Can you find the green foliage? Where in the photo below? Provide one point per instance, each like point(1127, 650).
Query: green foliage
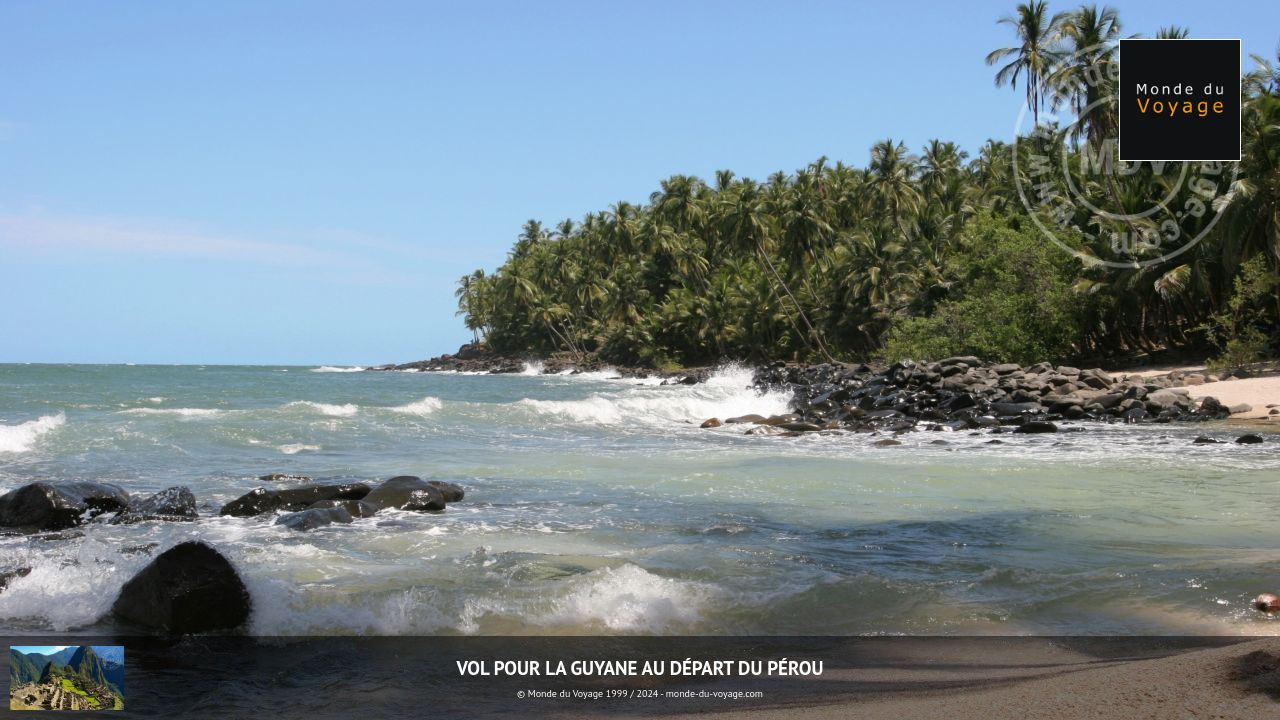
point(1016, 302)
point(836, 261)
point(1233, 330)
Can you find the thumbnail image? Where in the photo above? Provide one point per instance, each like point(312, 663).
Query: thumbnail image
point(71, 677)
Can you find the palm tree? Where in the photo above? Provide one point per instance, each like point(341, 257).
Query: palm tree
point(1035, 54)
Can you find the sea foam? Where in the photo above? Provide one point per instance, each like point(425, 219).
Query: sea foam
point(21, 437)
point(332, 369)
point(326, 408)
point(423, 407)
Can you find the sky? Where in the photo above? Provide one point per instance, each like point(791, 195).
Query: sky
point(41, 649)
point(303, 182)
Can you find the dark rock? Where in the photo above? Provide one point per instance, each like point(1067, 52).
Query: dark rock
point(711, 423)
point(1250, 439)
point(406, 492)
point(283, 477)
point(189, 588)
point(261, 500)
point(315, 517)
point(752, 418)
point(452, 492)
point(173, 504)
point(1006, 368)
point(800, 426)
point(1004, 408)
point(54, 506)
point(356, 508)
point(1036, 426)
point(9, 574)
point(1205, 440)
point(887, 442)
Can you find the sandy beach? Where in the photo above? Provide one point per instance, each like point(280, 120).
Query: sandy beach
point(1053, 680)
point(1262, 394)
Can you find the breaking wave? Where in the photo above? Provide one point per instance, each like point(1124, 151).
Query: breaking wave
point(728, 392)
point(21, 437)
point(332, 369)
point(326, 408)
point(423, 407)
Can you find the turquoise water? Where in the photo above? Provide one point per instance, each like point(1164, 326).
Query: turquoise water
point(596, 505)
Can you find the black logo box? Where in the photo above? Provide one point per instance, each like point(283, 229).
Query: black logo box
point(1179, 63)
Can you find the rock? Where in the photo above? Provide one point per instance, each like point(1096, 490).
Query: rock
point(1036, 426)
point(969, 360)
point(357, 508)
point(452, 492)
point(1250, 439)
point(752, 418)
point(887, 442)
point(406, 492)
point(189, 588)
point(711, 423)
point(1240, 408)
point(800, 426)
point(1004, 408)
point(315, 517)
point(283, 477)
point(175, 504)
point(9, 574)
point(1204, 440)
point(1267, 602)
point(54, 506)
point(780, 419)
point(261, 500)
point(1006, 368)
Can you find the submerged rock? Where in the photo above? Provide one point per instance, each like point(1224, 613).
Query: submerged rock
point(189, 588)
point(1036, 427)
point(173, 504)
point(357, 508)
point(315, 517)
point(54, 506)
point(283, 477)
point(406, 492)
point(1250, 439)
point(10, 574)
point(262, 500)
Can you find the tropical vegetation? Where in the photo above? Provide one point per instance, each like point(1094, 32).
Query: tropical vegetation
point(925, 254)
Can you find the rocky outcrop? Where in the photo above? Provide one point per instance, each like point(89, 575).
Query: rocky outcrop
point(961, 393)
point(189, 588)
point(479, 358)
point(175, 504)
point(262, 500)
point(55, 506)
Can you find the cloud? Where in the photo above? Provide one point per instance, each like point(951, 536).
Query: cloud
point(43, 234)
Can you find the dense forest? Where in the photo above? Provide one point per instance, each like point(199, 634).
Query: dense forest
point(924, 255)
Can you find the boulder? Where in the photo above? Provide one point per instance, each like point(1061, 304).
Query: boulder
point(887, 442)
point(406, 492)
point(711, 423)
point(752, 418)
point(55, 506)
point(1250, 439)
point(313, 518)
point(1204, 440)
point(800, 426)
point(1011, 408)
point(173, 504)
point(189, 588)
point(1240, 408)
point(452, 492)
point(262, 500)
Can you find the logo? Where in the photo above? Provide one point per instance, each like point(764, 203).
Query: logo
point(1084, 198)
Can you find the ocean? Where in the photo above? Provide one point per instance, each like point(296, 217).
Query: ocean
point(596, 506)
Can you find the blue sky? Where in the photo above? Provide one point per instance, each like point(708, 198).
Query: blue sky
point(302, 182)
point(41, 649)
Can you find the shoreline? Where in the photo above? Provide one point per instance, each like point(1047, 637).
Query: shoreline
point(958, 393)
